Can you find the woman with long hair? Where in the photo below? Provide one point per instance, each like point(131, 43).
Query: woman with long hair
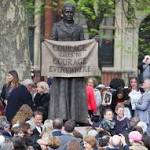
point(15, 95)
point(134, 93)
point(12, 81)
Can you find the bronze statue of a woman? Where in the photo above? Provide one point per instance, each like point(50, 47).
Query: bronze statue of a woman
point(68, 100)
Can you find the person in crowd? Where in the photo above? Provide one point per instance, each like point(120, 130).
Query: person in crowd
point(98, 97)
point(7, 130)
point(19, 96)
point(117, 142)
point(146, 141)
point(121, 122)
point(19, 143)
point(41, 99)
point(90, 143)
point(73, 145)
point(29, 84)
point(135, 139)
point(108, 122)
point(143, 105)
point(122, 98)
point(92, 132)
point(54, 143)
point(103, 139)
point(17, 131)
point(5, 127)
point(79, 136)
point(143, 126)
point(91, 101)
point(23, 114)
point(144, 68)
point(133, 122)
point(36, 125)
point(116, 85)
point(34, 91)
point(5, 143)
point(44, 141)
point(106, 96)
point(28, 132)
point(102, 89)
point(134, 93)
point(48, 126)
point(12, 82)
point(57, 127)
point(68, 133)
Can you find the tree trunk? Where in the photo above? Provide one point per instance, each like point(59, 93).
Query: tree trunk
point(14, 49)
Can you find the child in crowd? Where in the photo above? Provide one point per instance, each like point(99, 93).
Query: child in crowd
point(17, 131)
point(108, 123)
point(122, 123)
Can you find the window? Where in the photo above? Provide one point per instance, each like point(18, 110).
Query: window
point(106, 46)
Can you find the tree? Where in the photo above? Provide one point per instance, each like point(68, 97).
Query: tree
point(144, 38)
point(14, 53)
point(94, 11)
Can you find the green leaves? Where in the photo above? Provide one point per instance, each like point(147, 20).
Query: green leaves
point(144, 38)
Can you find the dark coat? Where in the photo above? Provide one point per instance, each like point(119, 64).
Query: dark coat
point(6, 91)
point(121, 126)
point(41, 102)
point(17, 98)
point(36, 135)
point(61, 32)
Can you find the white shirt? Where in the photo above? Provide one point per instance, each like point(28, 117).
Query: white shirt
point(39, 129)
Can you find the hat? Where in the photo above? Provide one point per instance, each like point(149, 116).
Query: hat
point(135, 136)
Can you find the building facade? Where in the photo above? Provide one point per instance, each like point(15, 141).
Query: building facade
point(118, 55)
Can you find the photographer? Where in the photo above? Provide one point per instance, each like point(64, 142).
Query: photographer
point(144, 68)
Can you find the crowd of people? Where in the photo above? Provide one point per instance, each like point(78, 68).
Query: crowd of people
point(119, 117)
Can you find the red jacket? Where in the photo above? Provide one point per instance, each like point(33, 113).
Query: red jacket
point(91, 101)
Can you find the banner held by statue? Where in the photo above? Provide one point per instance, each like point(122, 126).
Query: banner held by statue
point(70, 59)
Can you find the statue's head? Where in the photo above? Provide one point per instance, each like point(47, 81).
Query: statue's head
point(68, 12)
